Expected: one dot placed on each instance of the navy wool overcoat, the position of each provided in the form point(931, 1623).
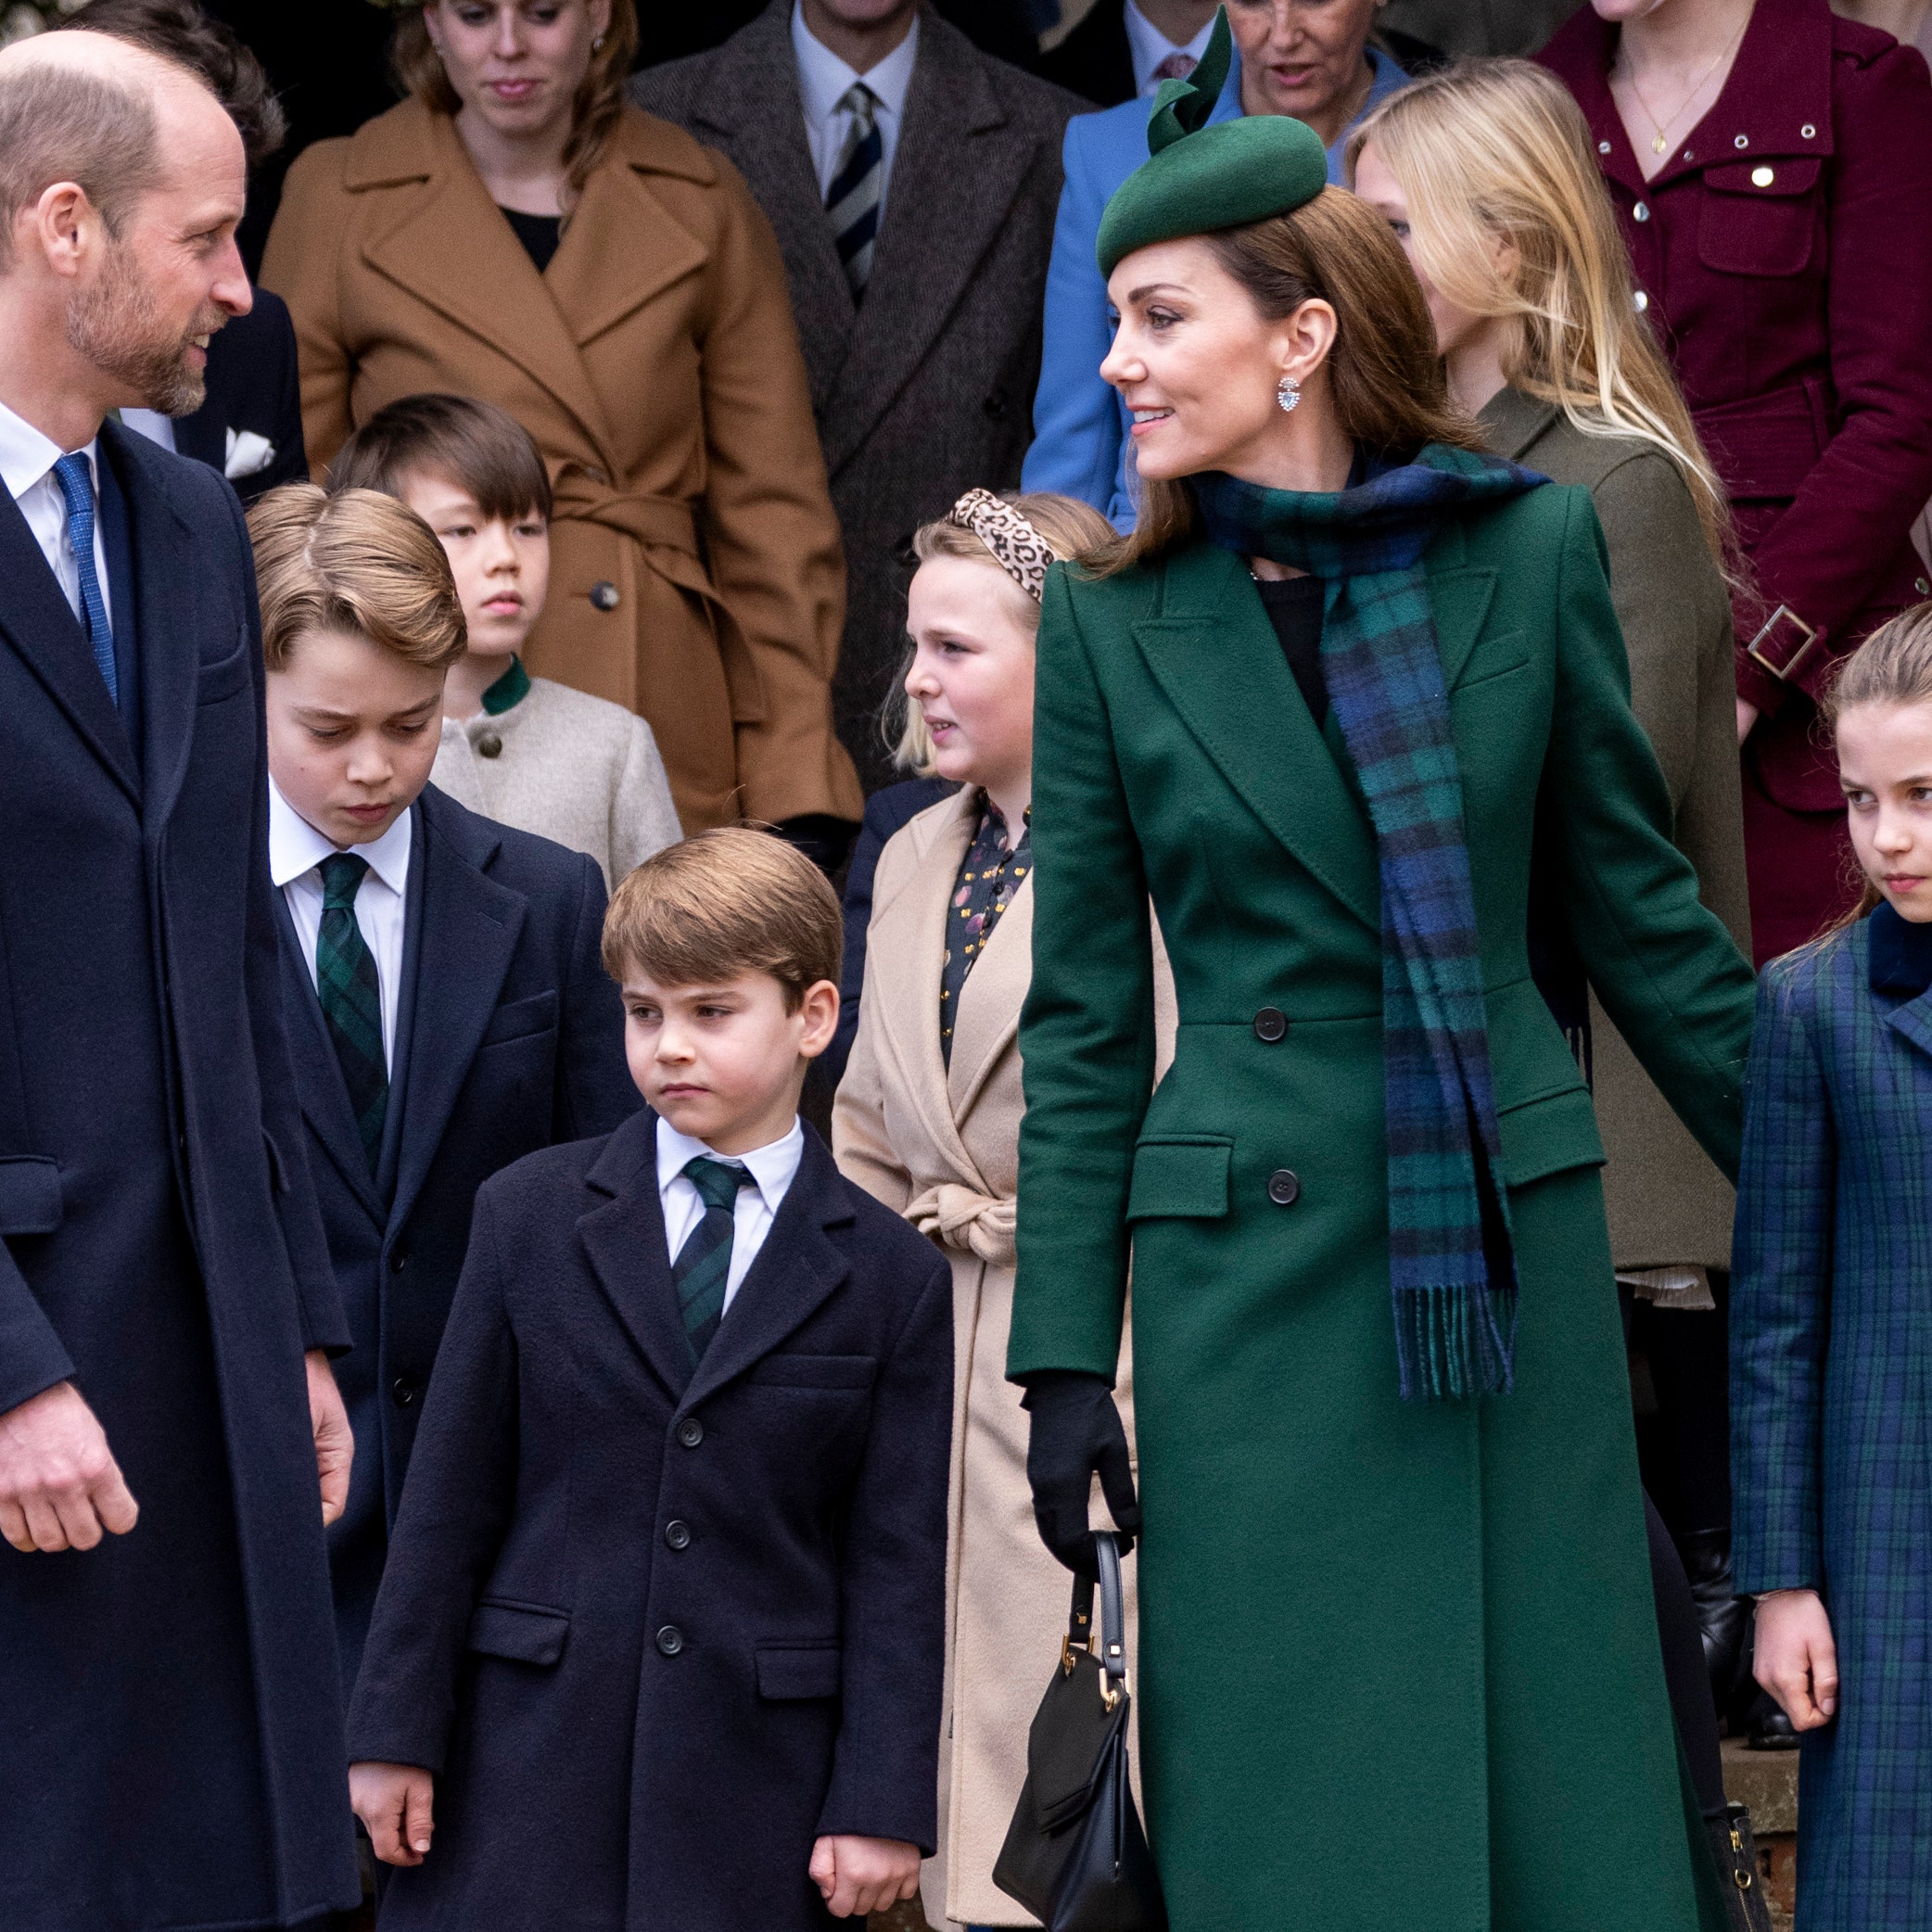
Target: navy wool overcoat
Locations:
point(172, 1751)
point(656, 1628)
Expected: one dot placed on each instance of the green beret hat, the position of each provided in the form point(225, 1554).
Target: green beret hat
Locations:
point(1197, 178)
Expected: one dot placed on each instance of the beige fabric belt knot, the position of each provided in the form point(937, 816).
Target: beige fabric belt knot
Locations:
point(962, 1218)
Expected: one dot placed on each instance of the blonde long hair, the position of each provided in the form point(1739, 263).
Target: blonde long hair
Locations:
point(1496, 150)
point(1072, 530)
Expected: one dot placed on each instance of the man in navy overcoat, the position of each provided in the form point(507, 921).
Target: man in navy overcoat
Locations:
point(172, 1718)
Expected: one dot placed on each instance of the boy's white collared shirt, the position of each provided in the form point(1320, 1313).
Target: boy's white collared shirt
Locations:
point(773, 1168)
point(296, 851)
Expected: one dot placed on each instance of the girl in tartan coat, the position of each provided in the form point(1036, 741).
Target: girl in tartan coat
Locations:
point(1831, 1340)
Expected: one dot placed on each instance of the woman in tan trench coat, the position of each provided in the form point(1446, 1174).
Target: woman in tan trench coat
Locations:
point(696, 574)
point(928, 1120)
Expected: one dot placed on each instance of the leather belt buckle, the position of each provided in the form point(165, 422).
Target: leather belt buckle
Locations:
point(1781, 631)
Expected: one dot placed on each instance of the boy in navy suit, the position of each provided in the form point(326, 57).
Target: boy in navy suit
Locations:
point(446, 1009)
point(659, 1644)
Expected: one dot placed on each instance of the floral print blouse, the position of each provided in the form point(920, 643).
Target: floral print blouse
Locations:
point(990, 874)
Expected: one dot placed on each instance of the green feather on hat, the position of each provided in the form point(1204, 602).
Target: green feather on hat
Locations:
point(1197, 178)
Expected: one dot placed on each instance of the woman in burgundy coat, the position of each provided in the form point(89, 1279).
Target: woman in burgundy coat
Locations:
point(1772, 167)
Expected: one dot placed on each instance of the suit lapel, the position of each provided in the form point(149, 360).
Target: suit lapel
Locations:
point(170, 619)
point(797, 1267)
point(453, 249)
point(755, 113)
point(469, 932)
point(37, 621)
point(1251, 720)
point(625, 1245)
point(933, 237)
point(318, 1074)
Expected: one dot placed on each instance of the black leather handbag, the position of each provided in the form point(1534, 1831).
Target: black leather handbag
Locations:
point(1075, 1855)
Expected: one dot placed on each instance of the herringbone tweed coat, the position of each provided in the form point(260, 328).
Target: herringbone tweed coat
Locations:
point(1831, 1349)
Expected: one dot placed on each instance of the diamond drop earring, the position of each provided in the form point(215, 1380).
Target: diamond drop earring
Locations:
point(1288, 392)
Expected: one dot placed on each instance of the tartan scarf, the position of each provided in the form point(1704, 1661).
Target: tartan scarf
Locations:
point(1452, 1269)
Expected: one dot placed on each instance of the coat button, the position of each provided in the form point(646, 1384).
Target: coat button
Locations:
point(670, 1640)
point(1283, 1186)
point(1741, 141)
point(1641, 212)
point(402, 1392)
point(398, 1261)
point(604, 595)
point(677, 1534)
point(489, 746)
point(1923, 586)
point(690, 1431)
point(1270, 1024)
point(1641, 300)
point(1763, 177)
point(994, 406)
point(1603, 147)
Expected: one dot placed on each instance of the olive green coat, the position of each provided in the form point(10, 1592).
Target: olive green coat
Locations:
point(1668, 1204)
point(1399, 1661)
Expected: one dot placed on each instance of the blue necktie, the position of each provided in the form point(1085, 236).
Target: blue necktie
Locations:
point(77, 486)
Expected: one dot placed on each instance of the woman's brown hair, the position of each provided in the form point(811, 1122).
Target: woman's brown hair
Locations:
point(593, 112)
point(357, 561)
point(1892, 666)
point(1383, 372)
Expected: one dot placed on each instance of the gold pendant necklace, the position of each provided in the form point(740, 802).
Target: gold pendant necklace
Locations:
point(1661, 139)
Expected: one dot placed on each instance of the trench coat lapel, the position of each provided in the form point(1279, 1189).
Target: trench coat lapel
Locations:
point(625, 1241)
point(797, 1267)
point(469, 931)
point(1251, 720)
point(933, 235)
point(907, 938)
point(452, 250)
point(755, 113)
point(988, 1019)
point(35, 618)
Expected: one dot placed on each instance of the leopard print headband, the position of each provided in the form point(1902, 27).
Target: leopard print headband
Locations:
point(1016, 546)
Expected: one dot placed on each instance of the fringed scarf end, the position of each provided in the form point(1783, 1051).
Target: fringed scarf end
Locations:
point(1452, 1343)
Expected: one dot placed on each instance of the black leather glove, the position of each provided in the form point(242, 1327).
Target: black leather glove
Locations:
point(1076, 1430)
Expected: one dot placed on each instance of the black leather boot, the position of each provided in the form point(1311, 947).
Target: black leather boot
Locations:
point(1737, 1854)
point(1724, 1618)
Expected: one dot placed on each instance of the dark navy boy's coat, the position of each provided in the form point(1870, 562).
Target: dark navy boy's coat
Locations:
point(172, 1747)
point(509, 1037)
point(655, 1630)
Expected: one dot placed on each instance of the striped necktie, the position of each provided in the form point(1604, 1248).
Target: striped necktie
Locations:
point(352, 999)
point(704, 1262)
point(852, 200)
point(1174, 67)
point(76, 482)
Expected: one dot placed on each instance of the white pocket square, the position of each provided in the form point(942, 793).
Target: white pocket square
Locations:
point(247, 455)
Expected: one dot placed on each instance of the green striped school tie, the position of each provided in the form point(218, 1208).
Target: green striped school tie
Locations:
point(352, 999)
point(704, 1264)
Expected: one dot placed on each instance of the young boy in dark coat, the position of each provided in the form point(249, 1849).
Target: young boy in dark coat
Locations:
point(445, 1004)
point(659, 1644)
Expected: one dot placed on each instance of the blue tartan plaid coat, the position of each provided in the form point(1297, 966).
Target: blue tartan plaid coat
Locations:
point(1831, 1364)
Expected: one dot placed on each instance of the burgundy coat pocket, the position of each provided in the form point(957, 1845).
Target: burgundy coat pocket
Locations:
point(1759, 218)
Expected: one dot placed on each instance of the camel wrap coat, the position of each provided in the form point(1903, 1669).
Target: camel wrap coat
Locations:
point(695, 569)
point(941, 1146)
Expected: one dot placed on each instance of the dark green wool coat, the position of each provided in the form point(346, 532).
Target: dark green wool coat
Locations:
point(1399, 1661)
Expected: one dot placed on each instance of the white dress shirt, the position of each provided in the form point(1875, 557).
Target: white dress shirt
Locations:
point(151, 423)
point(774, 1168)
point(296, 851)
point(1148, 46)
point(822, 81)
point(27, 460)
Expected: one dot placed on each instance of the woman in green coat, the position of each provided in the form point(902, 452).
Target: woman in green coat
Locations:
point(1347, 681)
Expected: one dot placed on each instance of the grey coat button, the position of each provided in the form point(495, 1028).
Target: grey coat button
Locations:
point(604, 595)
point(1270, 1024)
point(489, 746)
point(1284, 1187)
point(670, 1640)
point(1641, 212)
point(677, 1534)
point(690, 1431)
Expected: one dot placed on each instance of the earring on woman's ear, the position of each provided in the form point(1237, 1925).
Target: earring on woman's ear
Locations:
point(597, 43)
point(1287, 391)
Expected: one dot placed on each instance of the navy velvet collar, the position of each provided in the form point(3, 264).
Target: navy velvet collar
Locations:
point(1901, 953)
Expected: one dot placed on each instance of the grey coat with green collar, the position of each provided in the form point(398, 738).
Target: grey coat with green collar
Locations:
point(1666, 1202)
